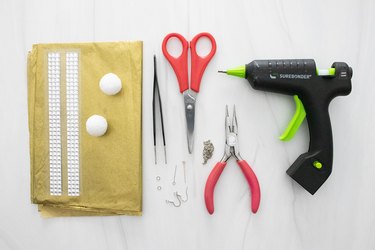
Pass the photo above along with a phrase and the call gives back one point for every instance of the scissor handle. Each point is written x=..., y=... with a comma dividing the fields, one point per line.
x=198, y=63
x=179, y=64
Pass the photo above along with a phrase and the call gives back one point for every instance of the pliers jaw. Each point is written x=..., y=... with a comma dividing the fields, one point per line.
x=231, y=136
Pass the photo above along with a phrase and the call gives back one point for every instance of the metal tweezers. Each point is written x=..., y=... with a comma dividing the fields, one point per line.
x=157, y=93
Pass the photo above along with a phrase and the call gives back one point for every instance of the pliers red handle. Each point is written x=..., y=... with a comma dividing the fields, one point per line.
x=231, y=149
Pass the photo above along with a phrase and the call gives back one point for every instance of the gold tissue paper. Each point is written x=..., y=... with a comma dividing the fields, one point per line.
x=110, y=166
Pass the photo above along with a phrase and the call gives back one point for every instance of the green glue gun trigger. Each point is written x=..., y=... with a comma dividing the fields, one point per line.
x=312, y=90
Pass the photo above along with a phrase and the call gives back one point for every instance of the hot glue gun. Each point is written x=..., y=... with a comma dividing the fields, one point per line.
x=313, y=91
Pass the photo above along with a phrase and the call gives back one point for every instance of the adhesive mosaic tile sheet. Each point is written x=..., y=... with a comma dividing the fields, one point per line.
x=72, y=114
x=54, y=123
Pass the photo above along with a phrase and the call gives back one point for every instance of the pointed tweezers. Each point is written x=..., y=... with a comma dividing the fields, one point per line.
x=157, y=93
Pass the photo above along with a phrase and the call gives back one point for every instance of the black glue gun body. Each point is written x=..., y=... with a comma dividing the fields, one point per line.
x=299, y=77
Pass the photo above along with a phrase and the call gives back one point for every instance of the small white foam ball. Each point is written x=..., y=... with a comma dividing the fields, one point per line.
x=96, y=125
x=110, y=84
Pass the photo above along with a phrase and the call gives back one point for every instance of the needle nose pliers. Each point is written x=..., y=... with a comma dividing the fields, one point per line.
x=231, y=149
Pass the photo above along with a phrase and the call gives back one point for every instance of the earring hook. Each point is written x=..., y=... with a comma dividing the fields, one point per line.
x=172, y=202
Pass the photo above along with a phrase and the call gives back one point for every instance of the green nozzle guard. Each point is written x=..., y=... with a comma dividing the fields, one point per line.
x=238, y=71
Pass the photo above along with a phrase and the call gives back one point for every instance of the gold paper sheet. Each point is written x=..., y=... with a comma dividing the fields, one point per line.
x=110, y=165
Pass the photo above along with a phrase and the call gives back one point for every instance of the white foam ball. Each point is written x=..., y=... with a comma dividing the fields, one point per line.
x=110, y=84
x=96, y=125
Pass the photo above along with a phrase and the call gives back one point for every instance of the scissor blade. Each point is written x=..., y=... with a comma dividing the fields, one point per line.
x=189, y=101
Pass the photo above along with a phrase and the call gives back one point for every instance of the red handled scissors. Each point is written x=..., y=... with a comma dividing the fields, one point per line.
x=180, y=67
x=232, y=149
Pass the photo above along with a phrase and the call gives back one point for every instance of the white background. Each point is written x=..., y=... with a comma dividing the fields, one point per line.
x=341, y=215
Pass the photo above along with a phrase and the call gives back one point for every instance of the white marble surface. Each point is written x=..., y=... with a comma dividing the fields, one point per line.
x=339, y=216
